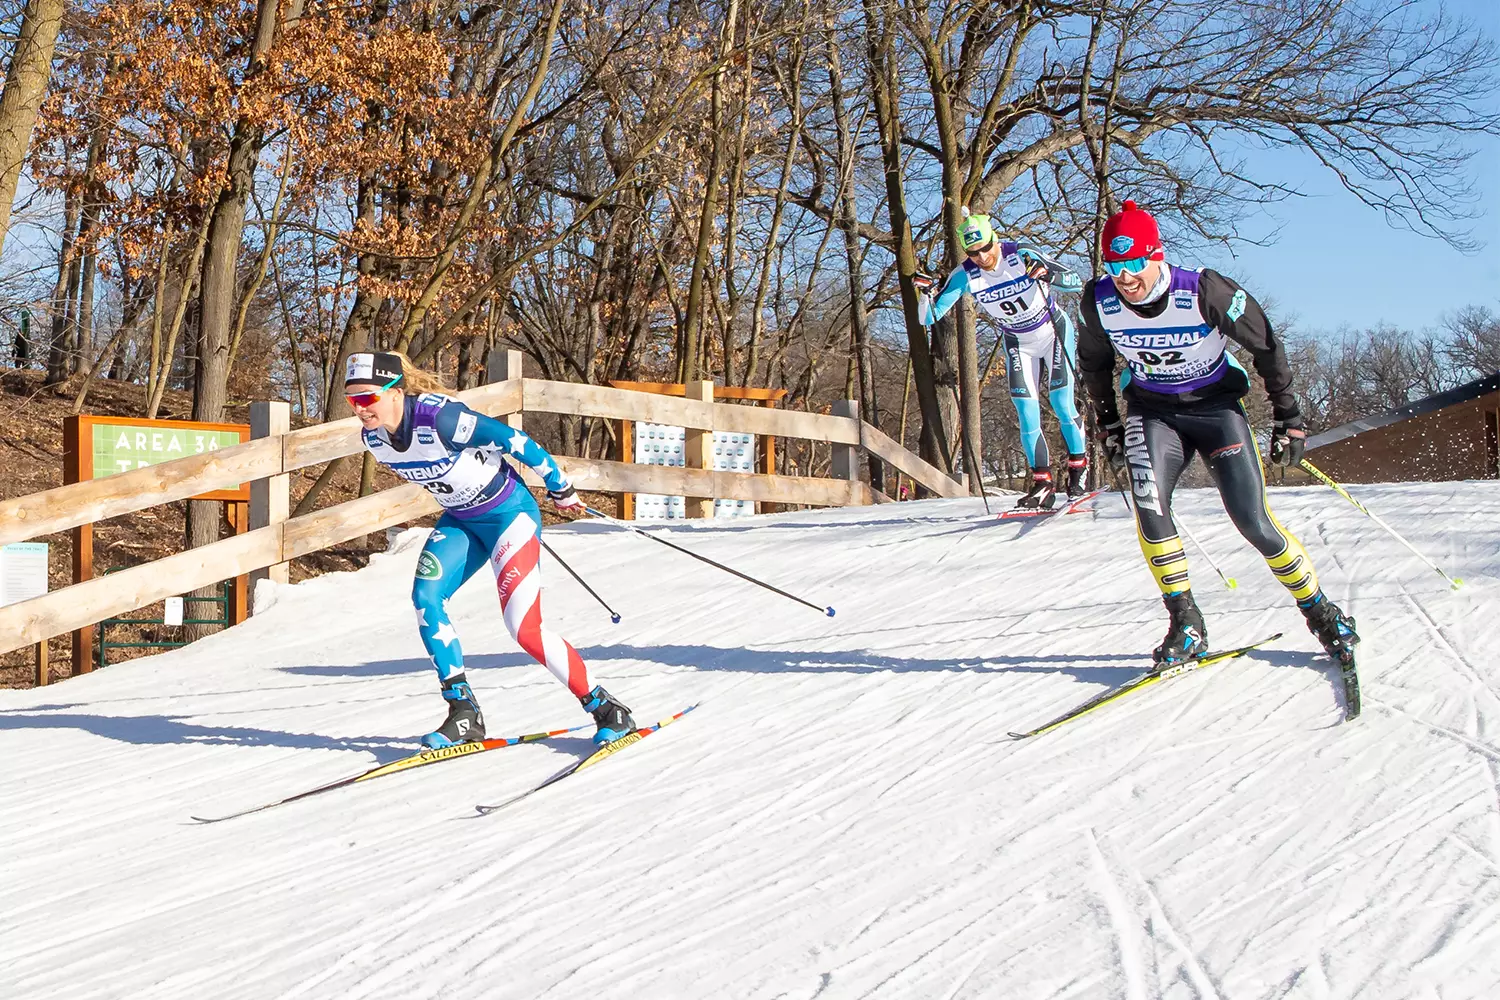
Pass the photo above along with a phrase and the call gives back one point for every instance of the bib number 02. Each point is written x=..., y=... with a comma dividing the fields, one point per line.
x=1164, y=358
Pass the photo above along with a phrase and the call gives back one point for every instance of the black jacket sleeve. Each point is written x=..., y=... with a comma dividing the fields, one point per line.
x=1228, y=307
x=1096, y=359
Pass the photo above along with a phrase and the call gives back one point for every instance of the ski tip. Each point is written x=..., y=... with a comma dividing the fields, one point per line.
x=1018, y=736
x=1457, y=582
x=615, y=619
x=830, y=612
x=1233, y=583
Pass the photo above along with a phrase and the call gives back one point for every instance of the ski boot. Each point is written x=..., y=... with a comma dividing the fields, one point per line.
x=465, y=723
x=612, y=718
x=1078, y=467
x=1334, y=629
x=1187, y=636
x=1042, y=495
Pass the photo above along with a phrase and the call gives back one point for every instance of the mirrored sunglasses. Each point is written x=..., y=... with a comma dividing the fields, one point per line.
x=369, y=399
x=977, y=251
x=1134, y=265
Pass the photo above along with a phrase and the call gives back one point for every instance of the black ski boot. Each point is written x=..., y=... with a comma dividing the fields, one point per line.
x=1334, y=629
x=1042, y=495
x=1078, y=468
x=612, y=718
x=465, y=723
x=1187, y=636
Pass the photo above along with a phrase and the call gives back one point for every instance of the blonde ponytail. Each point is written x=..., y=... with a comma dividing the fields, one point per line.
x=418, y=380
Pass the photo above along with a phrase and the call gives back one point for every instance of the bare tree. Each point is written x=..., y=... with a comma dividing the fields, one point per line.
x=30, y=67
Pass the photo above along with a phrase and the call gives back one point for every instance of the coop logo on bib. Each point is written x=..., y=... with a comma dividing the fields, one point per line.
x=1121, y=244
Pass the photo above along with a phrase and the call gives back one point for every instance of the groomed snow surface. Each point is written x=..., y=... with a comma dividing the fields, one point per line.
x=843, y=817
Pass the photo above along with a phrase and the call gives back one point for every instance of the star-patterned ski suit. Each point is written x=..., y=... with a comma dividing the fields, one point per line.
x=489, y=517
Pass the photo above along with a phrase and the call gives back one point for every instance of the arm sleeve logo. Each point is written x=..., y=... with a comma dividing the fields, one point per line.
x=1236, y=306
x=465, y=428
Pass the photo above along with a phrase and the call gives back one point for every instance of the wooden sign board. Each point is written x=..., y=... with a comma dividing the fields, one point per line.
x=95, y=447
x=98, y=447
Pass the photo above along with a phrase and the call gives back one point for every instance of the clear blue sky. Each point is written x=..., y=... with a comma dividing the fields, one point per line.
x=1335, y=262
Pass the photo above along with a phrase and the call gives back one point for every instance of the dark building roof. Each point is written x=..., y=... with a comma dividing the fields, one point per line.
x=1437, y=401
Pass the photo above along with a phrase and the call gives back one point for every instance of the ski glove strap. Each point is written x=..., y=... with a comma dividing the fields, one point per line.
x=1288, y=441
x=566, y=499
x=1112, y=441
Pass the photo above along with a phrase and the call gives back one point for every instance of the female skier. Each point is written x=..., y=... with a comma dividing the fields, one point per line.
x=1172, y=326
x=489, y=517
x=1013, y=283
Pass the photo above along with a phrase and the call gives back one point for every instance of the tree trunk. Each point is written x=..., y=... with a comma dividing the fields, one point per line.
x=848, y=214
x=689, y=362
x=62, y=295
x=217, y=299
x=25, y=86
x=879, y=36
x=163, y=365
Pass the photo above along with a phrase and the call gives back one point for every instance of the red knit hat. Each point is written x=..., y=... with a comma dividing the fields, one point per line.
x=1131, y=232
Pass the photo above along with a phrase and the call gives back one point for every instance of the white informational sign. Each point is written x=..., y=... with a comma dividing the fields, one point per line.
x=23, y=571
x=172, y=613
x=660, y=444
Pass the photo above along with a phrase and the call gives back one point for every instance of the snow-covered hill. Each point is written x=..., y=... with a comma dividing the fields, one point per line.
x=843, y=817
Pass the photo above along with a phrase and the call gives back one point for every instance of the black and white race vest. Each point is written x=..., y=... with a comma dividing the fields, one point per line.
x=1020, y=304
x=1174, y=352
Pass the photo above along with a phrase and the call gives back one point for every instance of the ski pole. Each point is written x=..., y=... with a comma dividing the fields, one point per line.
x=978, y=471
x=1322, y=477
x=1229, y=581
x=717, y=565
x=613, y=615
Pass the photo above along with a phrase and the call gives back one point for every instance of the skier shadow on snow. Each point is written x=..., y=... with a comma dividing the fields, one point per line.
x=1273, y=657
x=153, y=730
x=1101, y=668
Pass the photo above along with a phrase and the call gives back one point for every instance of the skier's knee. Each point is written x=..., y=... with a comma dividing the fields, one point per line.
x=426, y=595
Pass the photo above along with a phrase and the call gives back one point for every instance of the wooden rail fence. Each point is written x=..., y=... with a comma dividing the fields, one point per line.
x=275, y=538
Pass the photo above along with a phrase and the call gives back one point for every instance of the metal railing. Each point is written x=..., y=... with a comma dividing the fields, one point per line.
x=102, y=645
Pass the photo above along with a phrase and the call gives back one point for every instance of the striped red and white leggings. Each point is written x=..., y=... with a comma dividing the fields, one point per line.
x=510, y=539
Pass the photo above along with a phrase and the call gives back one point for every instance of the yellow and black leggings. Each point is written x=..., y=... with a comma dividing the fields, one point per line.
x=1159, y=445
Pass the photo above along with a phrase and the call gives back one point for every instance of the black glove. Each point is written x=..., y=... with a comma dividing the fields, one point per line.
x=1288, y=440
x=1112, y=442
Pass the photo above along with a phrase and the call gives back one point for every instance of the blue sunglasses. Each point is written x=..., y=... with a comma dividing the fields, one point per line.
x=1134, y=265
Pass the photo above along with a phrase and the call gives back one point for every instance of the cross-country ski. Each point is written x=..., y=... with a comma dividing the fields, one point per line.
x=1157, y=674
x=597, y=757
x=431, y=756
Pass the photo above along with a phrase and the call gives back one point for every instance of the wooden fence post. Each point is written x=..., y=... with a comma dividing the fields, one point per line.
x=846, y=456
x=270, y=498
x=502, y=366
x=698, y=448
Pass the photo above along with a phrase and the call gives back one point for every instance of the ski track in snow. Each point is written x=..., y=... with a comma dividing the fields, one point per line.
x=842, y=818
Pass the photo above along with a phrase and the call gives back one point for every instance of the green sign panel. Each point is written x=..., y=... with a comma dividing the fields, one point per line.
x=122, y=447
